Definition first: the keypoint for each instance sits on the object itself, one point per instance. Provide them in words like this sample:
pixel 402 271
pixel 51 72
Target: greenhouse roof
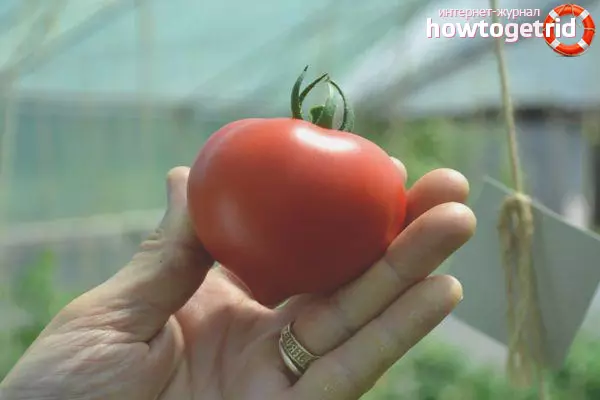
pixel 216 51
pixel 233 51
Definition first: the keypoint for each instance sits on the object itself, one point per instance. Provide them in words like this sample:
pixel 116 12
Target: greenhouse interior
pixel 101 98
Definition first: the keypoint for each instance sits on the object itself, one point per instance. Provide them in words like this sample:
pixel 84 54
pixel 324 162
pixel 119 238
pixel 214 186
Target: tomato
pixel 291 207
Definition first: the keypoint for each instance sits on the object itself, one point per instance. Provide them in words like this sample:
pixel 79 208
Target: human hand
pixel 167 326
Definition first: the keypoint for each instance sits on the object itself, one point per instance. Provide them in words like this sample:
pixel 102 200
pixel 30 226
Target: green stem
pixel 322 115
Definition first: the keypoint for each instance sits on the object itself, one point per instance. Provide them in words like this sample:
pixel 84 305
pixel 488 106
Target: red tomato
pixel 290 207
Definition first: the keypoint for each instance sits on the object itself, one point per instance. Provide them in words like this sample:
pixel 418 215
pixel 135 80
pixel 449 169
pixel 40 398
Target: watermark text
pixel 511 31
pixel 508 13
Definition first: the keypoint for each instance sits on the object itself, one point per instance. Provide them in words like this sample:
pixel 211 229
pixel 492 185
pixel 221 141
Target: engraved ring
pixel 295 356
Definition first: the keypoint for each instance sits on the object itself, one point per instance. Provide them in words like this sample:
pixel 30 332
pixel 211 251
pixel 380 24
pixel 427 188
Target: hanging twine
pixel 525 364
pixel 525 358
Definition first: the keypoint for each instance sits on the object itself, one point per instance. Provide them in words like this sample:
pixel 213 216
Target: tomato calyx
pixel 322 115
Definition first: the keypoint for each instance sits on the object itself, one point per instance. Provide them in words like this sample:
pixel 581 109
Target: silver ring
pixel 295 356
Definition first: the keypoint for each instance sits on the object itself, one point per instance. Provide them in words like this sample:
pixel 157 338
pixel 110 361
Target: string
pixel 525 363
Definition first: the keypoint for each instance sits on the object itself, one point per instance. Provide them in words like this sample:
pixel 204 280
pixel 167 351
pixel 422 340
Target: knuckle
pixel 397 272
pixel 346 381
pixel 389 344
pixel 341 317
pixel 154 241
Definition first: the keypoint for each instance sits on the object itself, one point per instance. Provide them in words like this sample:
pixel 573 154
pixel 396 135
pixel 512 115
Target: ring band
pixel 294 355
pixel 288 362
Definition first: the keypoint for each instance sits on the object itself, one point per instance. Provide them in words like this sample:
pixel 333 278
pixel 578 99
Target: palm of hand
pixel 220 345
pixel 230 346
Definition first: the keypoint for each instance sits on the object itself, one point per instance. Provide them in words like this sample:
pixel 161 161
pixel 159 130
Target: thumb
pixel 161 277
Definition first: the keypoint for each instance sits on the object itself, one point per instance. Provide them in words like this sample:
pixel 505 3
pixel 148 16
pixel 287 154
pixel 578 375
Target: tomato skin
pixel 291 208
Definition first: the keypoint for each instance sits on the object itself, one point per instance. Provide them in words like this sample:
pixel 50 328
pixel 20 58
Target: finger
pixel 415 254
pixel 159 279
pixel 436 187
pixel 352 369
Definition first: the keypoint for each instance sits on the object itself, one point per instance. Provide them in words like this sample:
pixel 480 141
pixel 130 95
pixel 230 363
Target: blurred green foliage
pixel 437 371
pixel 431 371
pixel 32 291
pixel 427 144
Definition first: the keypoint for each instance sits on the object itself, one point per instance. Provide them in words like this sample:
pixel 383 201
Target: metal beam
pixel 36 58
